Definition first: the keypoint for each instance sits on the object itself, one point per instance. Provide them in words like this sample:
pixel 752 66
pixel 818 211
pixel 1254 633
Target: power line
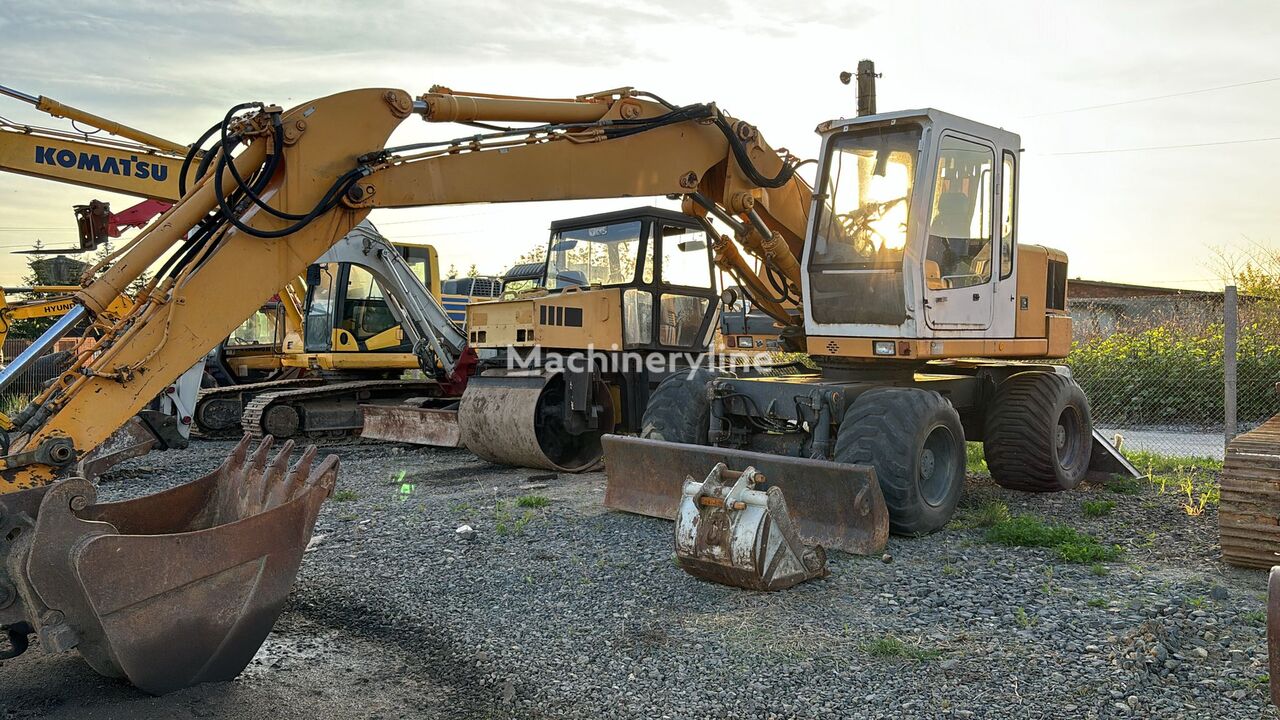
pixel 1162 147
pixel 1154 97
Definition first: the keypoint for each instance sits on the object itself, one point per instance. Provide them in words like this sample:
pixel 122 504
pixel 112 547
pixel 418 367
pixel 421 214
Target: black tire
pixel 914 440
pixel 1039 433
pixel 678 409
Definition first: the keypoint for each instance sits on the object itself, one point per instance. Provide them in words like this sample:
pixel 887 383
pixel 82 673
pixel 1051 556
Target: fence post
pixel 1230 331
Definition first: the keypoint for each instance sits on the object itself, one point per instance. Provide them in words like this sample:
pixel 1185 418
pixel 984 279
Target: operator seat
pixel 949 232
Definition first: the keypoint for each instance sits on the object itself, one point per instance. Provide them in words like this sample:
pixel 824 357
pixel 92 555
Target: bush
pixel 1173 375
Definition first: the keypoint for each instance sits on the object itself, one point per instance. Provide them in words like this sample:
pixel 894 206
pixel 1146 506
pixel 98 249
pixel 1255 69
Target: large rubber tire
pixel 914 440
pixel 1039 433
pixel 678 409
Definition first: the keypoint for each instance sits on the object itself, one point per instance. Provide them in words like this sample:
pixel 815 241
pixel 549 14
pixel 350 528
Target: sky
pixel 1074 80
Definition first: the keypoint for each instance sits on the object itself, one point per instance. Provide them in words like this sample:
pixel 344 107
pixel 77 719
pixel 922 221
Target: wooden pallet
pixel 1249 514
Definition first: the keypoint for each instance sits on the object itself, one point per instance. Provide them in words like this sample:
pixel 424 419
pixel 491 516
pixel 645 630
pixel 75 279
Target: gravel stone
pixel 572 611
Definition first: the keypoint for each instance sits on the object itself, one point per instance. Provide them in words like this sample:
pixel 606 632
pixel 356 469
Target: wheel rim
pixel 937 465
pixel 1068 434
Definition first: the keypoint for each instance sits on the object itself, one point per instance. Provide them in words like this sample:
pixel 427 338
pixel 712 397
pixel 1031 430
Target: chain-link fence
pixel 34 380
pixel 1155 368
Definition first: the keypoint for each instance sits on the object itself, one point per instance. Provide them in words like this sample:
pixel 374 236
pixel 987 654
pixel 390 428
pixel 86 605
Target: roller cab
pixel 623 297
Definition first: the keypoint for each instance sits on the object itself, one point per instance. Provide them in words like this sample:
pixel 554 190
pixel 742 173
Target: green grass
pixel 345 495
pixel 532 501
pixel 1124 485
pixel 1020 616
pixel 975 462
pixel 1099 569
pixel 1098 508
pixel 1071 544
pixel 1154 462
pixel 891 647
pixel 985 516
pixel 1096 603
pixel 506 523
pixel 11 405
pixel 1254 617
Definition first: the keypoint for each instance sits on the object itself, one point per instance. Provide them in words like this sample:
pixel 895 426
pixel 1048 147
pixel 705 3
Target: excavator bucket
pixel 834 505
pixel 729 532
pixel 176 588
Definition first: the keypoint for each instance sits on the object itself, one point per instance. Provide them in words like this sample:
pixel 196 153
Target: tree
pixel 42 270
pixel 473 272
pixel 453 272
pixel 1255 270
pixel 537 255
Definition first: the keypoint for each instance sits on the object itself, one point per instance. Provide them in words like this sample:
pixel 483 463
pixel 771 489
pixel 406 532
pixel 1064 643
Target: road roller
pixel 625 299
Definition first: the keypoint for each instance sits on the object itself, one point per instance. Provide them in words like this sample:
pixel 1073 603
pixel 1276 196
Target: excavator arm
pixel 220 552
pixel 134 162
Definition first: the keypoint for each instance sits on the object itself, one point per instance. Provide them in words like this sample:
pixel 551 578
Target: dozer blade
pixel 412 422
pixel 835 505
pixel 176 588
pixel 729 532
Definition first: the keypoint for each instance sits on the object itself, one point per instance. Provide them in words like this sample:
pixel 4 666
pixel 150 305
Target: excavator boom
pixel 250 225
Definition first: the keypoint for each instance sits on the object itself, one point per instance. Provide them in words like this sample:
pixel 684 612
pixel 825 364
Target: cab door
pixel 961 257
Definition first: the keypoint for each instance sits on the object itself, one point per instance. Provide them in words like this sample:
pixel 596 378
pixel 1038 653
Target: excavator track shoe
pixel 730 533
pixel 176 588
pixel 835 505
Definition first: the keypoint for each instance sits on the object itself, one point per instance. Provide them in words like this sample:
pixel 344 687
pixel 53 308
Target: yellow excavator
pixel 284 185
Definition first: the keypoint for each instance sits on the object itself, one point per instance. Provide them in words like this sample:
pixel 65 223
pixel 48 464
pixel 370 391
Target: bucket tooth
pixel 176 588
pixel 736 535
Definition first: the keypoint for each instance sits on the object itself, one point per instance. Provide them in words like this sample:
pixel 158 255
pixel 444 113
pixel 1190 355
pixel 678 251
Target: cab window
pixel 960 226
pixel 1008 186
pixel 366 312
pixel 684 257
pixel 319 322
pixel 602 255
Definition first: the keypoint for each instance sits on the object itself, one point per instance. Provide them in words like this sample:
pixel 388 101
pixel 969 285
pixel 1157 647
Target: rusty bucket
pixel 171 589
pixel 729 532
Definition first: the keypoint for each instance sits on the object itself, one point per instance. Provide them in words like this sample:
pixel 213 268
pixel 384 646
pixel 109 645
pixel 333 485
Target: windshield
pixel 863 223
pixel 601 255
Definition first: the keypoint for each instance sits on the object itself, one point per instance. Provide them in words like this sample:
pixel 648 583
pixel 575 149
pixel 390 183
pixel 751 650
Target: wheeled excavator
pixel 286 184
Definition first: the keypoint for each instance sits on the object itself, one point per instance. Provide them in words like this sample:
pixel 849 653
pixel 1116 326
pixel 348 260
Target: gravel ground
pixel 570 611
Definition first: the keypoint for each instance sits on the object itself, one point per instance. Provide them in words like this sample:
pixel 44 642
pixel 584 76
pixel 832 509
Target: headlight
pixel 885 347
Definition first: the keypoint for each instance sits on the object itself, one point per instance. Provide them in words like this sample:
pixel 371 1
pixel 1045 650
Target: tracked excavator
pixel 285 185
pixel 368 318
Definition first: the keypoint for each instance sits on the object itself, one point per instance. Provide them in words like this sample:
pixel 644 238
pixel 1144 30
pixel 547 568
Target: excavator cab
pixel 921 207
